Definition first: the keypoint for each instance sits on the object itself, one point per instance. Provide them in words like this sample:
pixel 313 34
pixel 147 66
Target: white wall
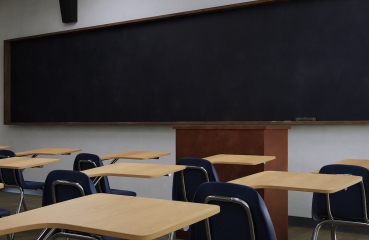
pixel 309 146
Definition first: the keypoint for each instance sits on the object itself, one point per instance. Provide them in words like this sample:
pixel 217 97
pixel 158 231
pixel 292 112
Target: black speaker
pixel 68 9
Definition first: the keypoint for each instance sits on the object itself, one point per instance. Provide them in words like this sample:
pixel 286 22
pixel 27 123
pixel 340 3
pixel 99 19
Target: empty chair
pixel 14 178
pixel 63 185
pixel 243 214
pixel 346 207
pixel 84 161
pixel 186 182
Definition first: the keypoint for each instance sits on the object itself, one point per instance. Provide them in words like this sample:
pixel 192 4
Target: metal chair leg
pixel 71 235
pixel 24 204
pixel 20 200
pixel 46 233
pixel 316 230
pixel 171 236
pixel 43 234
pixel 333 232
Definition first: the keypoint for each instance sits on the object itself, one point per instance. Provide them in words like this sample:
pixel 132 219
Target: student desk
pixel 20 163
pixel 136 155
pixel 138 170
pixel 25 162
pixel 48 151
pixel 4 147
pixel 297 181
pixel 112 215
pixel 357 162
pixel 239 159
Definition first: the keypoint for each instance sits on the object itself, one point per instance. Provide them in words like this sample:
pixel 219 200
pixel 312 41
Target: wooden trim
pixel 7 85
pixel 177 124
pixel 217 127
pixel 160 17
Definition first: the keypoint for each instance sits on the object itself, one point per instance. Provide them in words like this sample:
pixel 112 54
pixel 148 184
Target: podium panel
pixel 205 141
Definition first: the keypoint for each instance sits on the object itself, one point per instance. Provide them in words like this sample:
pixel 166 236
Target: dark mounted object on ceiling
pixel 68 9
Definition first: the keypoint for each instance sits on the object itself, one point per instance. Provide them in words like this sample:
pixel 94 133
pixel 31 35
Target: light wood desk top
pixel 4 147
pixel 1 185
pixel 138 170
pixel 48 151
pixel 296 181
pixel 239 159
pixel 112 215
pixel 25 162
pixel 357 162
pixel 136 155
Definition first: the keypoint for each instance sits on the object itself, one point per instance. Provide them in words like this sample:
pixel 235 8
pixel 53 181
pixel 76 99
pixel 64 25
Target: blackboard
pixel 266 62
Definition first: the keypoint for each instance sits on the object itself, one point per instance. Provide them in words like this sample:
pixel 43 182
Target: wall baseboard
pixel 310 223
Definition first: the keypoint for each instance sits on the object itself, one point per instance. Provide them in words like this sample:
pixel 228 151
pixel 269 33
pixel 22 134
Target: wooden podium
pixel 204 141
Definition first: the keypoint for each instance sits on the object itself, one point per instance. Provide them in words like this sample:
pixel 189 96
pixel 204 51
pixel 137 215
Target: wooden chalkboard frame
pixel 7 76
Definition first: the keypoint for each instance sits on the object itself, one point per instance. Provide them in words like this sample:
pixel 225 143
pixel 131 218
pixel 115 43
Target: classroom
pixel 310 146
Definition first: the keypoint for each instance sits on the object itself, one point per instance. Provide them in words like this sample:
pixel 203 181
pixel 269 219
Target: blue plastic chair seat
pixel 346 205
pixel 4 212
pixel 33 185
pixel 123 192
pixel 67 192
pixel 193 178
pixel 232 221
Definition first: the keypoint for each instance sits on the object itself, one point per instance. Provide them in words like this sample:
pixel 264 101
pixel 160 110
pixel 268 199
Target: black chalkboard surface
pixel 267 62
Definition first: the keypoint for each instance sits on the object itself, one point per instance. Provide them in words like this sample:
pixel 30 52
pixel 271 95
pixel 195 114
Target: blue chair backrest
pixel 8 174
pixel 232 221
pixel 193 178
pixel 65 192
pixel 346 204
pixel 103 183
